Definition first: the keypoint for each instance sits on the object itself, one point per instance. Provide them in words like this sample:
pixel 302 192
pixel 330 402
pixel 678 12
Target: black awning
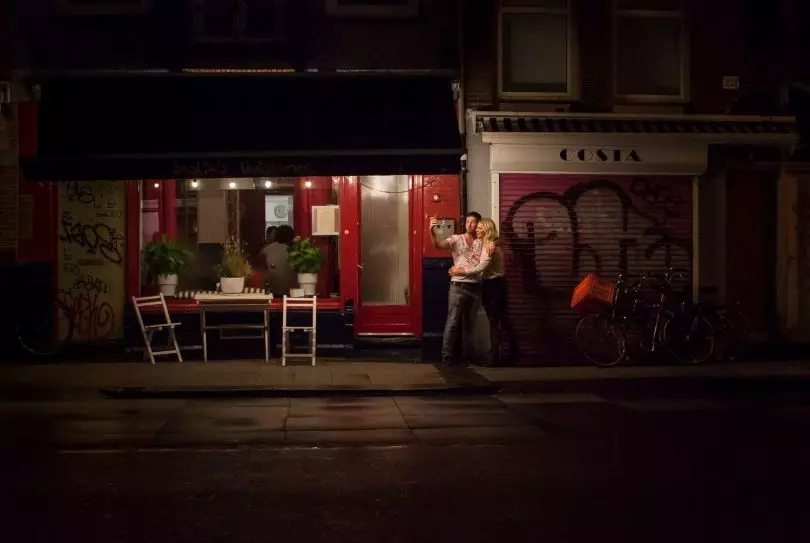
pixel 162 126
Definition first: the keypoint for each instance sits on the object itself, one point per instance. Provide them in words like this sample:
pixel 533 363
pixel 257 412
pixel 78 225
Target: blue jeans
pixel 463 302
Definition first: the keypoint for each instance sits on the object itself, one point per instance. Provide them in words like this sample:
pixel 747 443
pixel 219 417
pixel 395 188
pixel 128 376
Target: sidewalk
pixel 335 377
pixel 237 377
pixel 576 378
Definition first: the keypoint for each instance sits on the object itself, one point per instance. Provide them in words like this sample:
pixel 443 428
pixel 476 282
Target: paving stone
pixel 479 434
pixel 345 422
pixel 535 399
pixel 228 419
pixel 373 436
pixel 679 404
pixel 454 420
pixel 197 439
pixel 220 403
pixel 308 407
pixel 113 426
pixel 240 379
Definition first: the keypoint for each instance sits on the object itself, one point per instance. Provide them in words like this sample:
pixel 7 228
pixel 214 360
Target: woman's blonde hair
pixel 490 230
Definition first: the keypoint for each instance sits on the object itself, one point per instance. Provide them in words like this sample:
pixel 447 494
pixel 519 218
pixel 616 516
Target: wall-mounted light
pixel 232 185
pixel 156 185
pixel 436 198
pixel 195 183
pixel 308 183
pixel 268 184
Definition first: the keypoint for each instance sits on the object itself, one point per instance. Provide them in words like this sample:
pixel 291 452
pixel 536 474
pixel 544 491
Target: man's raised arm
pixel 437 244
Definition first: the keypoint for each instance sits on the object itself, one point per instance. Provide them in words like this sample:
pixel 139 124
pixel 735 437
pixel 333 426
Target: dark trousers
pixel 494 298
pixel 463 302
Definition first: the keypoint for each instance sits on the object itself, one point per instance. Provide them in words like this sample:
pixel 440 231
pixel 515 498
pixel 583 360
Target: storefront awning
pixel 645 129
pixel 184 126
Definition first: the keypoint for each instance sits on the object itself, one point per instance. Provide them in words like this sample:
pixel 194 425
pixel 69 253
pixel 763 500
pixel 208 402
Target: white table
pixel 236 303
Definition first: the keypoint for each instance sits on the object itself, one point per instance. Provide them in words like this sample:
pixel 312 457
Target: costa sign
pixel 599 155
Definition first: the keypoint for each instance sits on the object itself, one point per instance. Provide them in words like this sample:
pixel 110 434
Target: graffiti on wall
pixel 572 227
pixel 91 257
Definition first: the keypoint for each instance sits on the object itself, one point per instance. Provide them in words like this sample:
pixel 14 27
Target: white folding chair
pixel 148 330
pixel 298 304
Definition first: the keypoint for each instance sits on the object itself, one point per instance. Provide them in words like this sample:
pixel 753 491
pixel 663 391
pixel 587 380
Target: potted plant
pixel 234 267
pixel 306 261
pixel 165 259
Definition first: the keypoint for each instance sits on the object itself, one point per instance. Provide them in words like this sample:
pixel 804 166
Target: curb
pixel 262 392
pixel 752 382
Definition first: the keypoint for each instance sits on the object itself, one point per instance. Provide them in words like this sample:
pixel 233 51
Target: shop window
pixel 650 49
pixel 536 49
pixel 209 211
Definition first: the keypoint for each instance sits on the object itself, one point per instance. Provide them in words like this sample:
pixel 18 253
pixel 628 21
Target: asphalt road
pixel 561 467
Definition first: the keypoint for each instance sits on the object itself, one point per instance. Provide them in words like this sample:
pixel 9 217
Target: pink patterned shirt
pixel 465 256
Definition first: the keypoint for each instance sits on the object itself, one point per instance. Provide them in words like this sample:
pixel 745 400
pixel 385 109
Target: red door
pixel 388 256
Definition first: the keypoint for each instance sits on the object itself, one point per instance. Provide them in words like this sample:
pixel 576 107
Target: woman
pixel 279 275
pixel 493 289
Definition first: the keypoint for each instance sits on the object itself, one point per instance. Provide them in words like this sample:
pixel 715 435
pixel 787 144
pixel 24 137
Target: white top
pixel 465 256
pixel 490 266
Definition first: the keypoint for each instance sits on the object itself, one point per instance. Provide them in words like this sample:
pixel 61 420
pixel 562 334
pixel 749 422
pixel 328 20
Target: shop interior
pixel 207 212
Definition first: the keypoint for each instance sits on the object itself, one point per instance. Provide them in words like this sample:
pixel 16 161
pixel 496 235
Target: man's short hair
pixel 474 214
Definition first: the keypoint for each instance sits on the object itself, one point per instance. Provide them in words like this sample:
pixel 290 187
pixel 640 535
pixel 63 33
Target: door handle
pixel 360 267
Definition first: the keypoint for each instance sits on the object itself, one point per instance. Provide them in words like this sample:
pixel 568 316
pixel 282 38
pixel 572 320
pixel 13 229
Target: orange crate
pixel 593 293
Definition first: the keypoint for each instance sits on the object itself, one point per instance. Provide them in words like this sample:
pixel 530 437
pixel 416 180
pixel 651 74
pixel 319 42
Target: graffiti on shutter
pixel 557 229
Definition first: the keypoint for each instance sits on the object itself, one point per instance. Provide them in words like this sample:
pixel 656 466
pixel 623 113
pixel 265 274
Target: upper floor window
pixel 650 50
pixel 238 20
pixel 536 49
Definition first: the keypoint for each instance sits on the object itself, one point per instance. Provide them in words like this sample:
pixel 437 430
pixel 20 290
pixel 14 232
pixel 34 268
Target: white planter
pixel 167 284
pixel 308 282
pixel 232 285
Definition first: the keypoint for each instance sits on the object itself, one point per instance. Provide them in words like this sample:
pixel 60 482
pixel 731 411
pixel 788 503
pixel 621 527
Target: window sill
pixel 539 107
pixel 651 109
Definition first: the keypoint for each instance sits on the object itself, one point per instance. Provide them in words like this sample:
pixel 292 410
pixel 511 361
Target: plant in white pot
pixel 306 261
pixel 164 260
pixel 234 267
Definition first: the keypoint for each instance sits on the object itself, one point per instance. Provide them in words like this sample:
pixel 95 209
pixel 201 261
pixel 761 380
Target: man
pixel 464 298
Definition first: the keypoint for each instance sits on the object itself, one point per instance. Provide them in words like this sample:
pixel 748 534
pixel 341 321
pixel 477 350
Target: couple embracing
pixel 477 277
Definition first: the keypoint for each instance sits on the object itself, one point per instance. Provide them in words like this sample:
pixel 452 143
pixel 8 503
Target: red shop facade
pixel 110 163
pixel 610 194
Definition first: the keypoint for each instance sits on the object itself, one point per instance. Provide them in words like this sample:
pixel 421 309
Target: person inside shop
pixel 464 297
pixel 270 235
pixel 491 270
pixel 279 276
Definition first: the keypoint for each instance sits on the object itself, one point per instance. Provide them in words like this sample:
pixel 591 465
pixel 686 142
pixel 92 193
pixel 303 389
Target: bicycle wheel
pixel 689 337
pixel 46 332
pixel 600 340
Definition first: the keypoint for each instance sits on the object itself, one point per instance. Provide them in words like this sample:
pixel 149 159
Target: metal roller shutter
pixel 559 228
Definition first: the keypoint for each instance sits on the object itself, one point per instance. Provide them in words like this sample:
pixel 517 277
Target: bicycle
pixel 679 333
pixel 610 340
pixel 730 324
pixel 688 335
pixel 44 325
